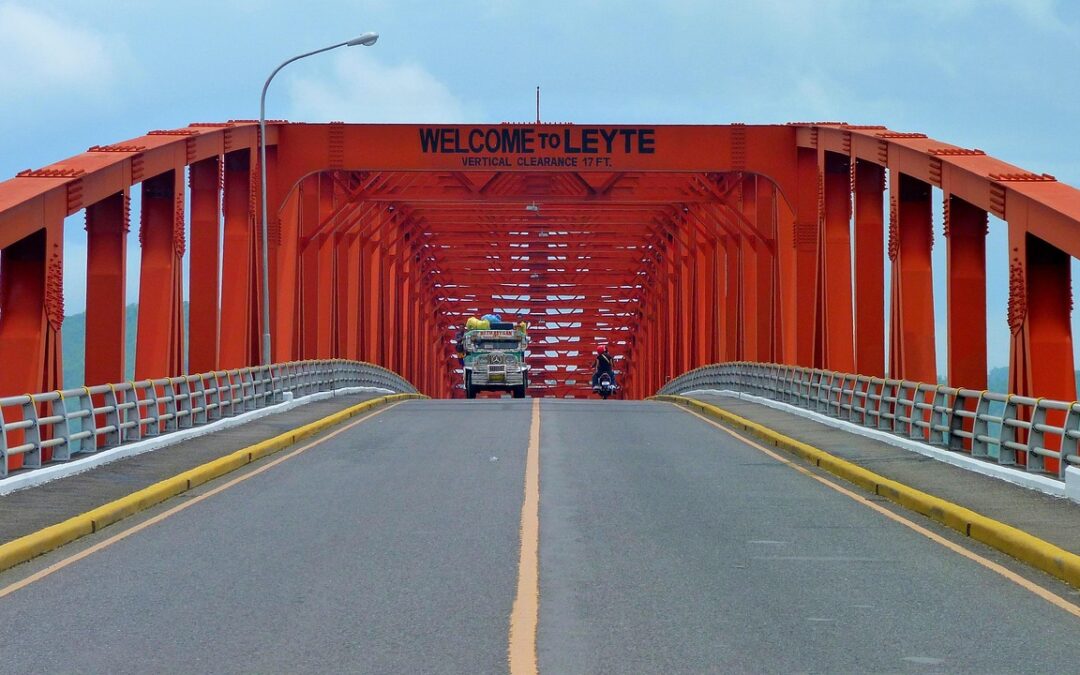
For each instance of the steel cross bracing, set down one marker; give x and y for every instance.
(523, 253)
(704, 244)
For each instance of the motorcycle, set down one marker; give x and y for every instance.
(605, 385)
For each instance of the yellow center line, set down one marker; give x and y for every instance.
(105, 543)
(525, 614)
(1026, 584)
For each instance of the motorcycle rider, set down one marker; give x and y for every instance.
(603, 364)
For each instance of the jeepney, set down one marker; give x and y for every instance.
(494, 360)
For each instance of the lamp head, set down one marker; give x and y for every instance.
(367, 39)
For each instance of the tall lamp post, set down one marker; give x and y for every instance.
(367, 39)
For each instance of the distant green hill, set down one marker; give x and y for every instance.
(999, 380)
(74, 336)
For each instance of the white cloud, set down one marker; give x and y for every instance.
(362, 90)
(42, 53)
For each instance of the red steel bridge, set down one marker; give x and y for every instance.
(677, 246)
(736, 271)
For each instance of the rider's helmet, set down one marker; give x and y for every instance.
(602, 349)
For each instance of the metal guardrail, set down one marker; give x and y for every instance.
(58, 426)
(1030, 434)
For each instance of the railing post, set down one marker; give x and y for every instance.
(1007, 434)
(184, 405)
(60, 429)
(200, 413)
(1070, 439)
(89, 422)
(127, 408)
(31, 458)
(171, 408)
(1036, 463)
(3, 445)
(153, 409)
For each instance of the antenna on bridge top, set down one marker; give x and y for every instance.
(538, 105)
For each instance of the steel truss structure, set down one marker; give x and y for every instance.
(676, 246)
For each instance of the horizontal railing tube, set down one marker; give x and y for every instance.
(59, 425)
(1010, 430)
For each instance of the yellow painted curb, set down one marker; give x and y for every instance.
(34, 544)
(1021, 545)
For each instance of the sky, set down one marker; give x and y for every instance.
(1000, 75)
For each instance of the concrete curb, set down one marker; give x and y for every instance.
(1028, 548)
(34, 544)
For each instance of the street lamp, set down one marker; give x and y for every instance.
(367, 39)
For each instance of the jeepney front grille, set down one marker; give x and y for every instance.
(488, 368)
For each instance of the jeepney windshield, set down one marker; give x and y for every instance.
(489, 341)
(496, 345)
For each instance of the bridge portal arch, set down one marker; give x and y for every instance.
(702, 243)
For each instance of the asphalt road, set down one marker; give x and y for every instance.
(665, 546)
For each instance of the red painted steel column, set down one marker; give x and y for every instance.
(1040, 290)
(392, 300)
(387, 331)
(401, 306)
(353, 294)
(748, 314)
(106, 292)
(425, 363)
(660, 347)
(31, 315)
(160, 340)
(786, 343)
(806, 242)
(309, 267)
(286, 280)
(372, 298)
(275, 202)
(720, 277)
(425, 336)
(836, 329)
(965, 237)
(702, 294)
(733, 289)
(325, 291)
(237, 271)
(436, 377)
(670, 325)
(684, 319)
(653, 378)
(31, 311)
(912, 353)
(204, 179)
(869, 269)
(656, 314)
(341, 296)
(411, 311)
(768, 307)
(52, 363)
(718, 341)
(420, 326)
(641, 364)
(655, 335)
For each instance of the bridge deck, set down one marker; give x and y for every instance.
(666, 545)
